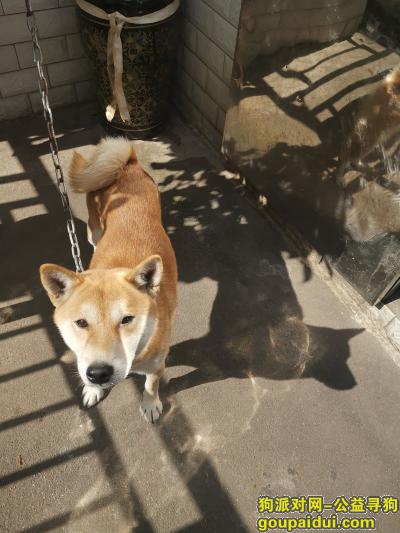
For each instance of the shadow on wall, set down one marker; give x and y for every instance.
(290, 134)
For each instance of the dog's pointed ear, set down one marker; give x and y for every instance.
(147, 276)
(59, 282)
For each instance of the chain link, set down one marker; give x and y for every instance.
(48, 116)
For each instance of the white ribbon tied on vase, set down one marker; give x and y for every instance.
(115, 63)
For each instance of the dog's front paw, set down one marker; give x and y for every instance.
(91, 395)
(151, 408)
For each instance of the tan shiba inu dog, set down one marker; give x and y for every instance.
(117, 316)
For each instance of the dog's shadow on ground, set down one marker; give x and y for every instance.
(256, 326)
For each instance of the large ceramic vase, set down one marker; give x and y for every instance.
(149, 57)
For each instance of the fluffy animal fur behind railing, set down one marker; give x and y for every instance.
(378, 117)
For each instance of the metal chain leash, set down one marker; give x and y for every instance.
(48, 116)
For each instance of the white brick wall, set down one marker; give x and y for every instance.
(268, 25)
(208, 40)
(209, 31)
(67, 68)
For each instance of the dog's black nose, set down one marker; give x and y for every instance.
(99, 374)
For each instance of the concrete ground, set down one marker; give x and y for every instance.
(272, 388)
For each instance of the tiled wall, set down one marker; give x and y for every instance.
(67, 68)
(268, 25)
(209, 33)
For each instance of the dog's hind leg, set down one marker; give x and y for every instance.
(151, 407)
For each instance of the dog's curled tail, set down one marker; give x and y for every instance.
(103, 167)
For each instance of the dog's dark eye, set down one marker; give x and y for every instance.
(81, 323)
(127, 319)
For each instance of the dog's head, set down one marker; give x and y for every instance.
(107, 317)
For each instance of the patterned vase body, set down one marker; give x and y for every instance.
(149, 57)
